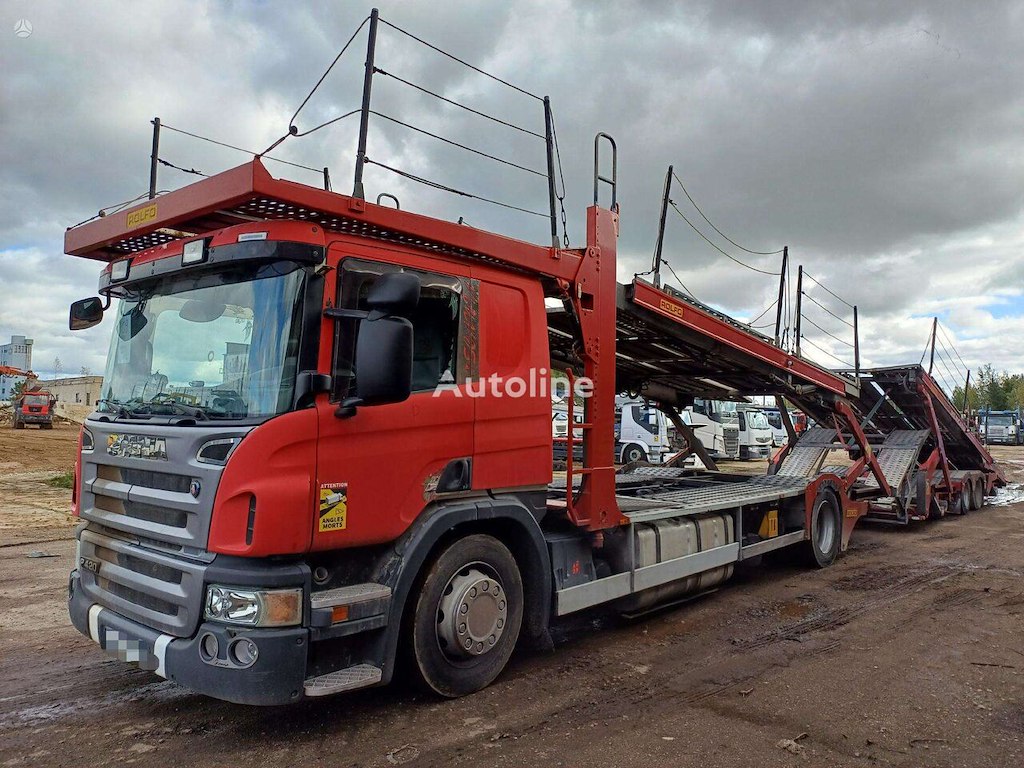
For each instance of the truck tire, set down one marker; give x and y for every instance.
(633, 453)
(826, 531)
(978, 494)
(962, 505)
(466, 618)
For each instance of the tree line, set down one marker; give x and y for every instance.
(995, 390)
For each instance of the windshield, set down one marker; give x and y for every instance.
(1000, 421)
(758, 420)
(36, 400)
(217, 345)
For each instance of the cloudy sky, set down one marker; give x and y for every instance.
(882, 142)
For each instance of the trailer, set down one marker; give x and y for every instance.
(934, 462)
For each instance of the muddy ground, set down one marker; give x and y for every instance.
(909, 651)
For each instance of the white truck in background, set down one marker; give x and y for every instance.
(756, 434)
(716, 425)
(779, 435)
(641, 432)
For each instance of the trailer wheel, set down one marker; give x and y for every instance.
(826, 531)
(467, 617)
(963, 501)
(632, 453)
(978, 494)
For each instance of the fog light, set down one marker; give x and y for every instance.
(243, 652)
(209, 646)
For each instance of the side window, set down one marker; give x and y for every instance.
(435, 324)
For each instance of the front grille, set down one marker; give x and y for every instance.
(136, 597)
(156, 589)
(162, 481)
(139, 565)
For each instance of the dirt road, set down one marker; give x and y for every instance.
(907, 652)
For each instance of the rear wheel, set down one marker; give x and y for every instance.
(978, 494)
(632, 453)
(467, 617)
(962, 505)
(826, 531)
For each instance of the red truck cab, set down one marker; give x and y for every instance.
(33, 407)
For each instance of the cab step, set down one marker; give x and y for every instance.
(348, 679)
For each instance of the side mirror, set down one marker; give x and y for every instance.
(396, 293)
(383, 363)
(85, 313)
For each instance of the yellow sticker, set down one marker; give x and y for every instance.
(141, 216)
(333, 507)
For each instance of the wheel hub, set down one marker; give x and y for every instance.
(472, 613)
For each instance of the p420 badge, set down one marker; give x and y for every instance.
(137, 447)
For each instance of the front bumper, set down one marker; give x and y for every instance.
(275, 677)
(35, 418)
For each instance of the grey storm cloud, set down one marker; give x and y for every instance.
(880, 141)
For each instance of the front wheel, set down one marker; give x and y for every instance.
(826, 531)
(633, 453)
(467, 617)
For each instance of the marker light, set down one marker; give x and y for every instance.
(194, 252)
(119, 270)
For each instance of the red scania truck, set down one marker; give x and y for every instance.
(285, 490)
(293, 485)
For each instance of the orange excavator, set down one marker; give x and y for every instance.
(33, 405)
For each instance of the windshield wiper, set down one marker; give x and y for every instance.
(120, 409)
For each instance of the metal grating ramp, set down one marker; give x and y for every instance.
(695, 501)
(670, 472)
(808, 453)
(897, 455)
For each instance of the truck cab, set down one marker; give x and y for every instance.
(755, 432)
(233, 480)
(641, 432)
(33, 407)
(779, 435)
(1003, 427)
(716, 426)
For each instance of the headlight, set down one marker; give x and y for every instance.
(87, 443)
(254, 607)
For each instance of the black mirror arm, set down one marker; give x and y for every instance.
(347, 408)
(336, 313)
(309, 384)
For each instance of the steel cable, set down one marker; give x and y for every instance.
(694, 204)
(713, 245)
(457, 104)
(457, 144)
(240, 149)
(453, 190)
(827, 289)
(460, 61)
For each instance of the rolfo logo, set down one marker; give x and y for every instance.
(23, 28)
(539, 383)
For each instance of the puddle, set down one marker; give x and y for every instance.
(1011, 493)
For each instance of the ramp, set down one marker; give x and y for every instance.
(901, 399)
(806, 457)
(673, 348)
(898, 456)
